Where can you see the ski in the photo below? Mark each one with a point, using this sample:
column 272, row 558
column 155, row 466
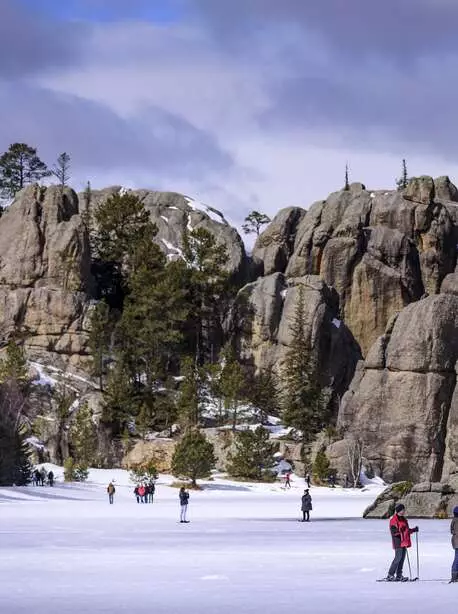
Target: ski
column 398, row 581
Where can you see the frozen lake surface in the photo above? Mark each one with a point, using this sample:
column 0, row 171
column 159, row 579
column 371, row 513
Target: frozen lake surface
column 65, row 550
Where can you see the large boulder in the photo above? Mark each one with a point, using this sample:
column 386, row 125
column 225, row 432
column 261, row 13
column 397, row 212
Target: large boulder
column 45, row 277
column 172, row 213
column 264, row 315
column 403, row 404
column 274, row 246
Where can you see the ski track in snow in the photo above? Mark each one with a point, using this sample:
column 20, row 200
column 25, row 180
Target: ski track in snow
column 66, row 550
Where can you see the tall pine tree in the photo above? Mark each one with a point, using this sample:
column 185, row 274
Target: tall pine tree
column 305, row 403
column 20, row 166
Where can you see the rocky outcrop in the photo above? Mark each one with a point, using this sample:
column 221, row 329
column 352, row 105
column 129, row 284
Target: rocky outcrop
column 403, row 402
column 380, row 250
column 45, row 274
column 263, row 317
column 275, row 245
column 424, row 500
column 172, row 213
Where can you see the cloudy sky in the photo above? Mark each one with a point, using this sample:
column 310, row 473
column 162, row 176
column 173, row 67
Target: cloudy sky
column 241, row 103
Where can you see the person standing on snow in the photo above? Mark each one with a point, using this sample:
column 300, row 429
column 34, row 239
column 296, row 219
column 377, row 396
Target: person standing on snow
column 454, row 532
column 306, row 506
column 288, row 480
column 307, row 480
column 152, row 489
column 51, row 478
column 400, row 535
column 111, row 491
column 141, row 493
column 184, row 500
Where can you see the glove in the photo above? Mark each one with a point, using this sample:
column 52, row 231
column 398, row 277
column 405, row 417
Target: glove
column 415, row 530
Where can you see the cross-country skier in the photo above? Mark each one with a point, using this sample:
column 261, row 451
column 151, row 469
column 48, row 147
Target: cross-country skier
column 184, row 499
column 400, row 535
column 454, row 532
column 306, row 506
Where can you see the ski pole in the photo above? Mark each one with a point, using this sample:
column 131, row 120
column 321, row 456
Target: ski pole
column 408, row 563
column 418, row 558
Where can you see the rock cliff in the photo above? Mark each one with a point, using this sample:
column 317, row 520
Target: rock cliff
column 380, row 250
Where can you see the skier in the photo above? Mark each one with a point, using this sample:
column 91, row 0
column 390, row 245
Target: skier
column 111, row 491
column 152, row 489
column 306, row 506
column 288, row 480
column 454, row 532
column 332, row 481
column 51, row 478
column 184, row 499
column 400, row 535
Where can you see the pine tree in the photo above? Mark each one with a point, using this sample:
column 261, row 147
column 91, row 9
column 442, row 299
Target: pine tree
column 403, row 181
column 99, row 340
column 263, row 394
column 15, row 465
column 305, row 404
column 321, row 466
column 193, row 457
column 193, row 394
column 61, row 170
column 209, row 290
column 20, row 166
column 233, row 383
column 83, row 437
column 254, row 222
column 254, row 455
column 14, row 365
column 347, row 182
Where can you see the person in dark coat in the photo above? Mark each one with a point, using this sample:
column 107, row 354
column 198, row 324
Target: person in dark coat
column 152, row 490
column 137, row 494
column 454, row 532
column 306, row 506
column 307, row 480
column 184, row 500
column 42, row 476
column 288, row 480
column 36, row 478
column 400, row 536
column 111, row 492
column 51, row 478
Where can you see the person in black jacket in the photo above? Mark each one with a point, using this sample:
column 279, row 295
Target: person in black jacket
column 306, row 506
column 184, row 499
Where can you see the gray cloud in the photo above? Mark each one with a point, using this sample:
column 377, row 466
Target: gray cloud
column 153, row 141
column 29, row 43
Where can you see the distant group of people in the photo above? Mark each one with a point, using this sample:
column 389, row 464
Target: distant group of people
column 144, row 493
column 40, row 477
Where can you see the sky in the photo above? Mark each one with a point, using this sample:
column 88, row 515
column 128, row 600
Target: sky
column 243, row 104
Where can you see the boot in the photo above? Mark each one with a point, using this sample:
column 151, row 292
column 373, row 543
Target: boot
column 402, row 579
column 454, row 577
column 390, row 578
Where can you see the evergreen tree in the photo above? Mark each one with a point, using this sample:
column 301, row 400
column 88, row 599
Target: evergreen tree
column 232, row 384
column 20, row 166
column 263, row 393
column 347, row 182
column 144, row 473
column 403, row 181
column 100, row 333
column 83, row 437
column 119, row 399
column 14, row 365
column 306, row 404
column 193, row 457
column 209, row 290
column 253, row 456
column 193, row 394
column 61, row 170
column 321, row 466
column 254, row 222
column 15, row 465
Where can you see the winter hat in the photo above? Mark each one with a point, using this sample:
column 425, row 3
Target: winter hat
column 455, row 511
column 399, row 508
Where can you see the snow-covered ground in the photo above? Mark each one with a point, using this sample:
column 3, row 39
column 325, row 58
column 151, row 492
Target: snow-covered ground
column 66, row 550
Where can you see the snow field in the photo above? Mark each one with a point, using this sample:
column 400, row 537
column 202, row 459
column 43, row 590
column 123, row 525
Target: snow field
column 66, row 550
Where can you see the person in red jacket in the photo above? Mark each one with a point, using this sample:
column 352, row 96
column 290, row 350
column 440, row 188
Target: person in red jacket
column 400, row 535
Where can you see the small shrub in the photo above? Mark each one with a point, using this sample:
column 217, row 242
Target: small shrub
column 74, row 472
column 401, row 489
